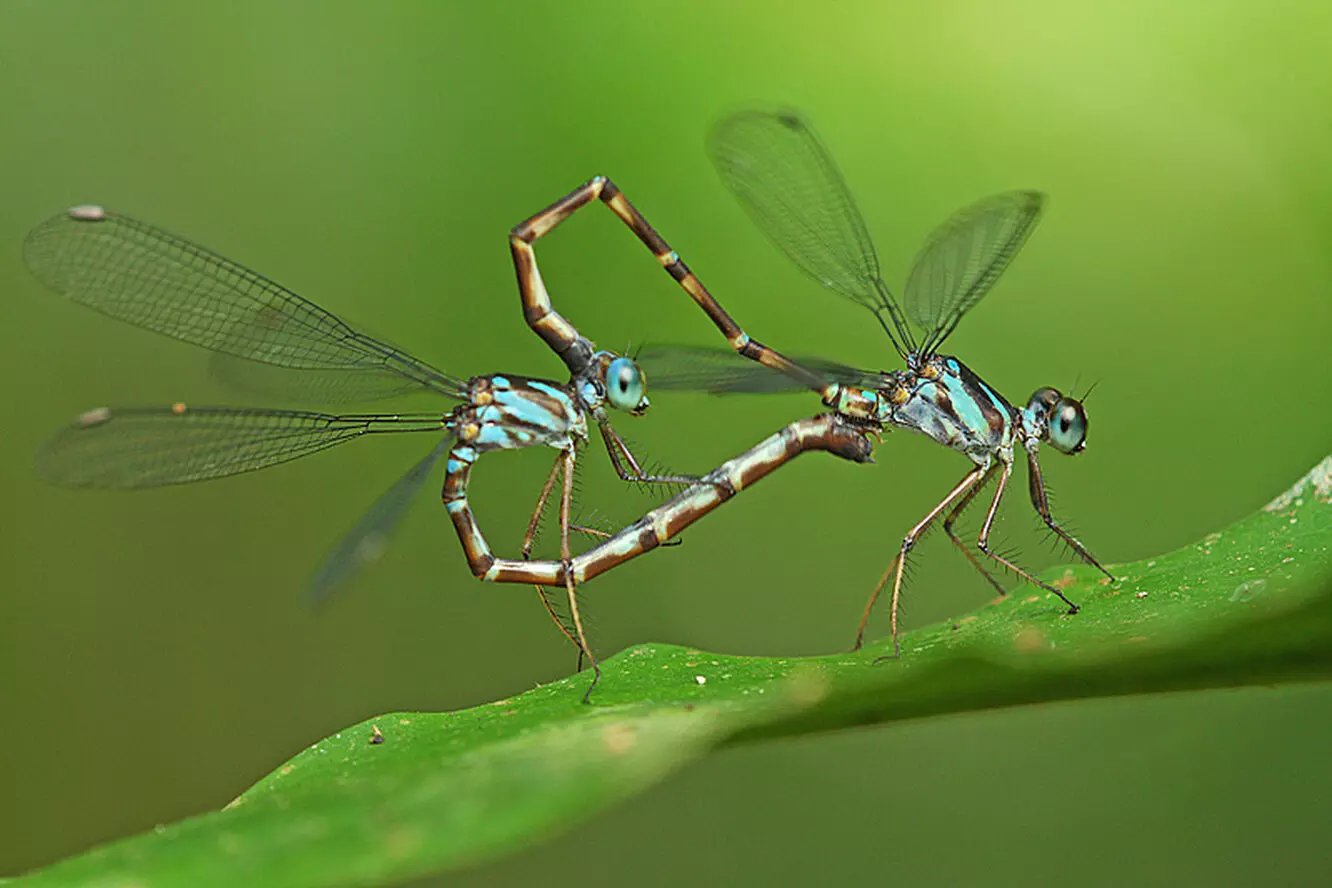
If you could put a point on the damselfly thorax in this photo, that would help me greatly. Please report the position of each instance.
(505, 412)
(945, 401)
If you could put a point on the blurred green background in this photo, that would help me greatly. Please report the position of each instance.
(156, 655)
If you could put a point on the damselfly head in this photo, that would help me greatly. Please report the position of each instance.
(1062, 420)
(625, 385)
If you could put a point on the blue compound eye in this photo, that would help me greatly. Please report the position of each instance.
(1068, 426)
(624, 385)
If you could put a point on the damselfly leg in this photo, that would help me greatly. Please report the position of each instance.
(566, 568)
(529, 539)
(983, 541)
(959, 498)
(534, 525)
(1041, 501)
(898, 565)
(957, 541)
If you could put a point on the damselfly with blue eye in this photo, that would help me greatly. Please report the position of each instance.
(788, 182)
(269, 339)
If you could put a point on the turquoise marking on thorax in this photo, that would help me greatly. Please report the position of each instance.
(990, 393)
(499, 382)
(494, 436)
(551, 390)
(511, 406)
(1006, 436)
(969, 413)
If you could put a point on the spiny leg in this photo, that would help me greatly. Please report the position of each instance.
(619, 450)
(1041, 501)
(561, 336)
(555, 617)
(530, 537)
(566, 558)
(966, 550)
(983, 541)
(869, 605)
(604, 535)
(592, 531)
(899, 563)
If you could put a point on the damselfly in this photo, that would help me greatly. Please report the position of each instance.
(269, 339)
(786, 179)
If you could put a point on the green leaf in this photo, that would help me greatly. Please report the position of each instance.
(440, 790)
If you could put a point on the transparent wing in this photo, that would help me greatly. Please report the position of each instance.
(151, 447)
(318, 387)
(722, 371)
(153, 279)
(368, 538)
(963, 258)
(787, 181)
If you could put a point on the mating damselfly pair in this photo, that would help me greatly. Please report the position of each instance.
(267, 339)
